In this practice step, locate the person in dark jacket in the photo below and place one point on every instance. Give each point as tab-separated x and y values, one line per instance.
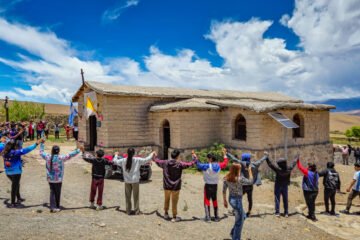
331	183
246	163
282	182
357	155
310	186
98	175
172	171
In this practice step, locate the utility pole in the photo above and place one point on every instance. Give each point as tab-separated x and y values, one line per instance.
82	76
6	106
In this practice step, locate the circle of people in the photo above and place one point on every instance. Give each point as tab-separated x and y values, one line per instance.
28	131
243	175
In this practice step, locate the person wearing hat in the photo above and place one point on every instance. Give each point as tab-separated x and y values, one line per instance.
310	186
55	172
98	174
246	164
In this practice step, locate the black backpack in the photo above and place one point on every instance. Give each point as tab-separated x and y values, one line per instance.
333	179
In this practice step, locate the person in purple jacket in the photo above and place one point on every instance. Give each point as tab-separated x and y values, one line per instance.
310	185
172	171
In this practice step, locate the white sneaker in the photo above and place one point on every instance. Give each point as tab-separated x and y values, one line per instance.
277	214
166	216
56	210
99	208
92	206
177	219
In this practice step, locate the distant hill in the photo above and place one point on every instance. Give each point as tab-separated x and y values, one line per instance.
55	109
343	121
344	105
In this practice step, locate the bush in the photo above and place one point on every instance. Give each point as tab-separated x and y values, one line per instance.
353	132
215	149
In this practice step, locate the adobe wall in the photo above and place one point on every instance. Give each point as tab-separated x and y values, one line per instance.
316	129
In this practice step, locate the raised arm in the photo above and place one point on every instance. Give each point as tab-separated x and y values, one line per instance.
118	160
304	170
233	158
2	146
43	154
26	150
294	162
258	163
224	163
147	159
272	166
69	155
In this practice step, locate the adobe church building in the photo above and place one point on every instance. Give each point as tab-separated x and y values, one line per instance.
167	118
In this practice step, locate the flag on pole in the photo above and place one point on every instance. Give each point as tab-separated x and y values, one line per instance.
90	110
73	113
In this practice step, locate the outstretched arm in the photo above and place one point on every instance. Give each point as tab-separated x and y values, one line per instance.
233	158
28	149
304	170
160	163
88	157
69	155
147	159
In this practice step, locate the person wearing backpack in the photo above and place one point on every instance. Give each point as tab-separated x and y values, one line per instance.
331	183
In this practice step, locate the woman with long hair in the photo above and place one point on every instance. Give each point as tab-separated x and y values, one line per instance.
131	171
234	182
13	167
55	173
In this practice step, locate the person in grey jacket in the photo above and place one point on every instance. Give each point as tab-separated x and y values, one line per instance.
131	171
246	163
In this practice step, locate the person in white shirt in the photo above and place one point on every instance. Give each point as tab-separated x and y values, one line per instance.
131	171
354	188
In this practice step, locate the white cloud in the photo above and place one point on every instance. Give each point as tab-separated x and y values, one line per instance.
112	14
325	68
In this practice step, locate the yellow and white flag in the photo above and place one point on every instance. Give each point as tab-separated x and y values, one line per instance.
90	110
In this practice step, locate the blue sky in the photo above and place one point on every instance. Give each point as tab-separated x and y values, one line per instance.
300	48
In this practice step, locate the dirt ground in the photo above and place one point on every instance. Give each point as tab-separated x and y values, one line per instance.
77	221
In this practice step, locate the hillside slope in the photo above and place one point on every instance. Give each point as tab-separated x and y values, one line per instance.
343	121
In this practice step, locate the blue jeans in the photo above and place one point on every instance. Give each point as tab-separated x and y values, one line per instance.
281	190
236	204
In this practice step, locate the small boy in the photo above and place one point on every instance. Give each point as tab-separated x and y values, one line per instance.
98	175
354	188
211	172
331	183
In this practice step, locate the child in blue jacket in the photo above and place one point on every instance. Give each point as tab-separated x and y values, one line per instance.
211	172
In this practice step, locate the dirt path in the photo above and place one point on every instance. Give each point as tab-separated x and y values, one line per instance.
76	221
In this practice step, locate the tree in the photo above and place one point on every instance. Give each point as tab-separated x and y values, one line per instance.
25	111
353	132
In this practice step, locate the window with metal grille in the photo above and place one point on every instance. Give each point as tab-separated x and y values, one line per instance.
240	128
299	132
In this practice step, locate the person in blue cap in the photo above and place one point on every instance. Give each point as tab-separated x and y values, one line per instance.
246	163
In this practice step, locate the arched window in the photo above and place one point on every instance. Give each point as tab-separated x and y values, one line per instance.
240	128
299	132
